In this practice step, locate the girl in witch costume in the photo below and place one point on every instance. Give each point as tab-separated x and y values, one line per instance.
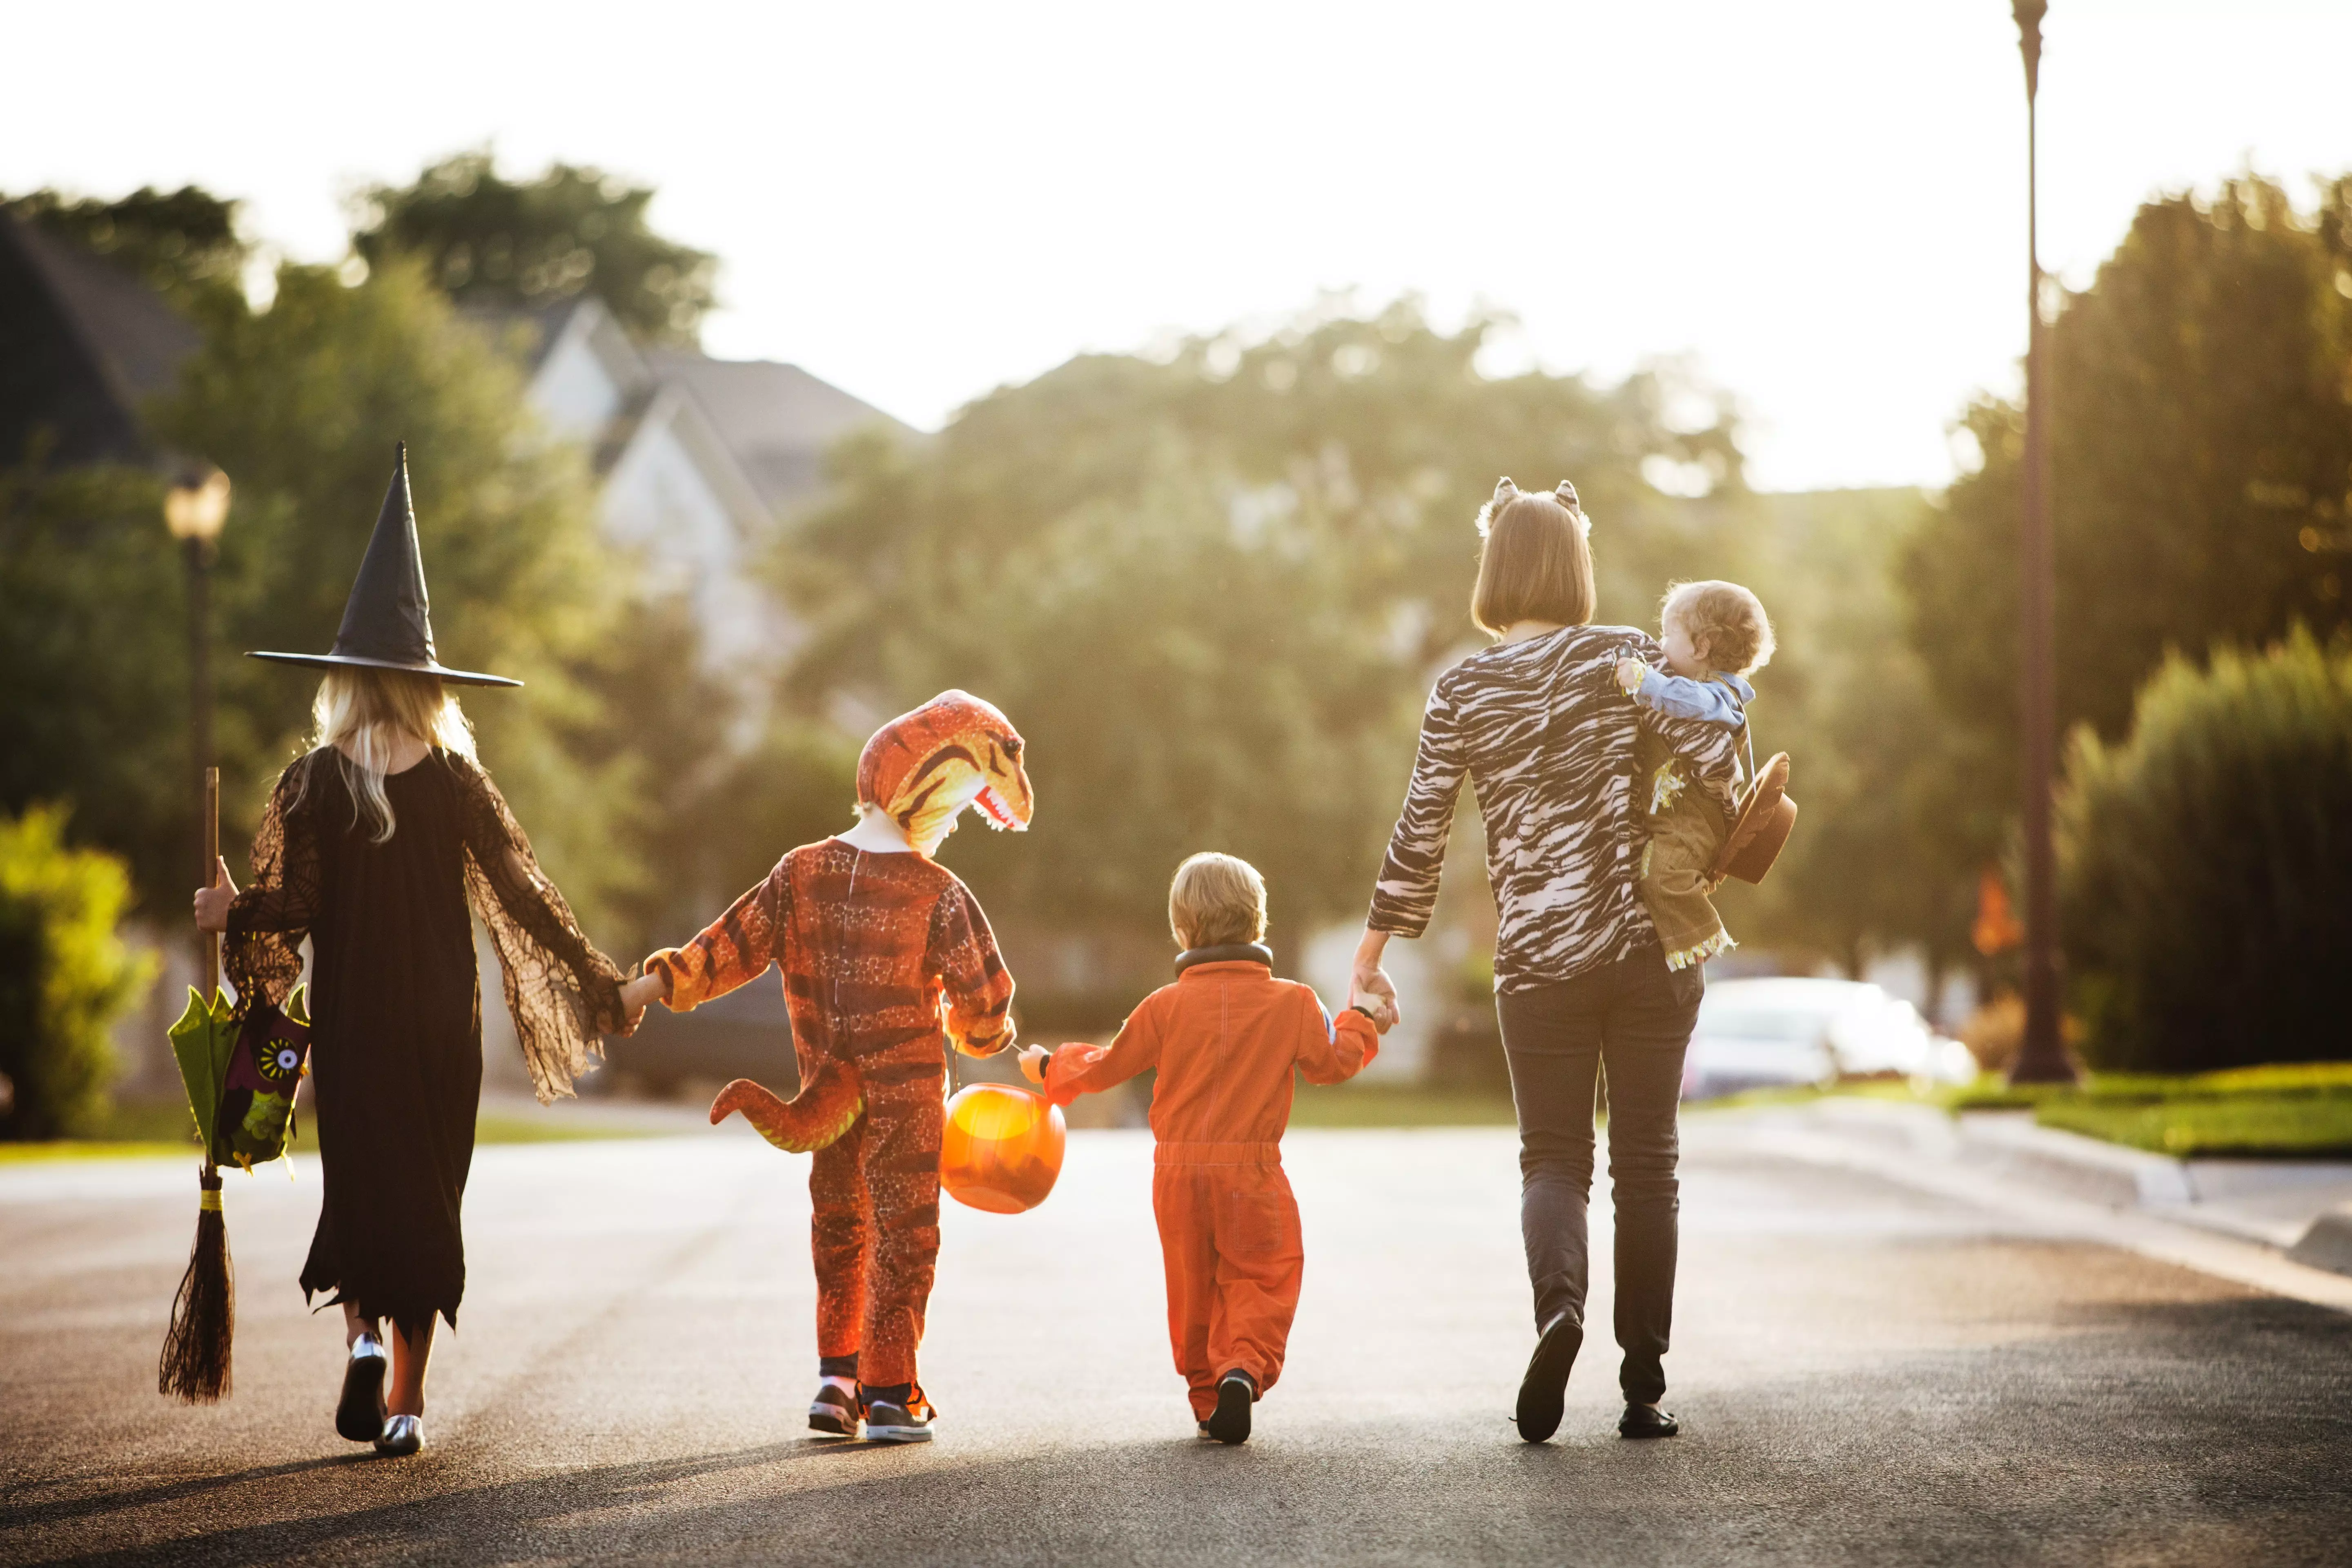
375	846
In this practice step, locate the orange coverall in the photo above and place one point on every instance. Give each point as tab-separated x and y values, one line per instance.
1224	1036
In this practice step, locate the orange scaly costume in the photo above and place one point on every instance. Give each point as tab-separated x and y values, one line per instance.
882	954
1225	1038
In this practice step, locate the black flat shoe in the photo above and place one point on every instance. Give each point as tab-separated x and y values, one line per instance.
1544	1391
1647	1421
1230	1422
359	1415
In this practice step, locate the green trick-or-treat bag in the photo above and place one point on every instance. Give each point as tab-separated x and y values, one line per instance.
257	1107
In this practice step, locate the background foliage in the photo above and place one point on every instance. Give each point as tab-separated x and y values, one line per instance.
486	240
1212	584
2207	865
64	976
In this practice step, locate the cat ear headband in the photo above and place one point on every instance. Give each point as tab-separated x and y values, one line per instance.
1505	492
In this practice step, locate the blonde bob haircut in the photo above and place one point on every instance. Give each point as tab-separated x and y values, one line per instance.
1535	562
1217	899
361	715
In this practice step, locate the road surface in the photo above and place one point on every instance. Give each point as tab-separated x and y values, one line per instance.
1865	1375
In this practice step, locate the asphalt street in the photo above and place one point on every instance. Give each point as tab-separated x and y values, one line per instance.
1865	1375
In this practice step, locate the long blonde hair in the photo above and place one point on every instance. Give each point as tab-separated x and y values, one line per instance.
360	715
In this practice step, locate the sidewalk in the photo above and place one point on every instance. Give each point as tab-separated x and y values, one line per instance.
2283	1226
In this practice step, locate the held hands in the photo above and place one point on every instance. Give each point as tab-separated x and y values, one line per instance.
639	994
213	902
1629	675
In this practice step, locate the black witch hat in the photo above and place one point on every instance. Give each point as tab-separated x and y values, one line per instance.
387	624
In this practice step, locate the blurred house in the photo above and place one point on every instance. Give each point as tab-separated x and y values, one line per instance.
700	459
83	345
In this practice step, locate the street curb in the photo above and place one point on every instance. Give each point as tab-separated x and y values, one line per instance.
2328	1242
2028	1174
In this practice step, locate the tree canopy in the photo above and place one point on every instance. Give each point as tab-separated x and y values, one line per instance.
184	243
1210	590
487	240
2201	456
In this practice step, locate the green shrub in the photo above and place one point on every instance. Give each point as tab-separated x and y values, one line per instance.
63	974
2207	869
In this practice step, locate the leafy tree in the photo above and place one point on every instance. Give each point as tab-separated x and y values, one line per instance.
2207	865
1210	590
183	243
2201	430
574	230
93	668
300	405
1880	857
64	976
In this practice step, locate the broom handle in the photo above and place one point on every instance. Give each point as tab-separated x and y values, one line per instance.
211	958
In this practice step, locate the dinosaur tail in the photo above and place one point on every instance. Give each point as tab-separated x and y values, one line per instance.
822	1110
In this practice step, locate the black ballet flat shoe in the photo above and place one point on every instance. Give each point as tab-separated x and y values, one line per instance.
1230	1422
1543	1391
359	1415
1647	1421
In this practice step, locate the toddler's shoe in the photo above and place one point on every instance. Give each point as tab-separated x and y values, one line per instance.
1230	1422
890	1422
834	1411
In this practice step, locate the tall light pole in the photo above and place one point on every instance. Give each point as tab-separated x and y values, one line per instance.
195	508
2041	1056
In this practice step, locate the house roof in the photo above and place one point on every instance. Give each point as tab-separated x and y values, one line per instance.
777	419
83	346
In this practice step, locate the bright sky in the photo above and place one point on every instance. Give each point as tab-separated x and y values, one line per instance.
1821	204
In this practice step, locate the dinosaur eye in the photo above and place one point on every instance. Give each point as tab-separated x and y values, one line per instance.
1012	747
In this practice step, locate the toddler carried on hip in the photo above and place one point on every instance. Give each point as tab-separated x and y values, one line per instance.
1714	635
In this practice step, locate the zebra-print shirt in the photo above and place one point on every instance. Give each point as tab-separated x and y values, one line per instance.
1544	733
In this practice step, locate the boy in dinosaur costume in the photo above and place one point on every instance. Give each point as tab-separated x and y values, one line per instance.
883	951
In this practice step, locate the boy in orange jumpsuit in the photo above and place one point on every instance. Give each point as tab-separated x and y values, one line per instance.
1225	1038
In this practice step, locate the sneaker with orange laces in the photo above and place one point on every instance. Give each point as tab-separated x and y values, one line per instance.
899	1415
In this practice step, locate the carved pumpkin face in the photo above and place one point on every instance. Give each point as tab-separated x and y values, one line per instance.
924	767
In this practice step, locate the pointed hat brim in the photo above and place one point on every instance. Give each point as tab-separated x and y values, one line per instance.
388	623
430	667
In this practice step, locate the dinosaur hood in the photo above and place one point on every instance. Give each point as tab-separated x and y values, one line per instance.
924	767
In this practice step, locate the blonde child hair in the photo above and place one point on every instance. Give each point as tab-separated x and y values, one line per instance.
1727	619
1217	899
360	713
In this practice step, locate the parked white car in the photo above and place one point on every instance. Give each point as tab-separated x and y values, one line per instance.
1781	1031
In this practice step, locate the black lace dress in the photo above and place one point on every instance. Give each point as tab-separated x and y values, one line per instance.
397	1047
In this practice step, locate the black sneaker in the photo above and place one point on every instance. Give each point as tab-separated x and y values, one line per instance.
1647	1421
834	1411
908	1423
359	1415
1543	1391
1230	1422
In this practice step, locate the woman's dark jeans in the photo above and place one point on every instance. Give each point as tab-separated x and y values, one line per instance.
1632	1018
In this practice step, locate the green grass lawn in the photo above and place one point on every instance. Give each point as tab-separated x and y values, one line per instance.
2244	1125
2295	1111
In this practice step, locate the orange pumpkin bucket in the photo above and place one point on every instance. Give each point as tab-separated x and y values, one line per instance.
1003	1148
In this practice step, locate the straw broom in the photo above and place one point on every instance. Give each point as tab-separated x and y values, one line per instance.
194	1366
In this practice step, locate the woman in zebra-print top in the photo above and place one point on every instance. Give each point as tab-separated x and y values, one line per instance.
1541	730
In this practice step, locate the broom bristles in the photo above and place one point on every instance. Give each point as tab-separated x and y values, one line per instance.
194	1367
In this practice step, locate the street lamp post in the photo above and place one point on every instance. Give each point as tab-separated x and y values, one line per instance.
195	508
2041	1056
